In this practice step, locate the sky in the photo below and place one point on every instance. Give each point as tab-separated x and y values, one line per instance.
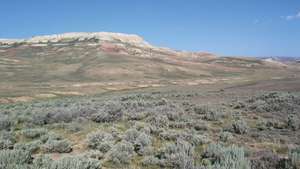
224	27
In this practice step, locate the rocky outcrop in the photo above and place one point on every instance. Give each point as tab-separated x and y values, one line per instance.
118	43
82	36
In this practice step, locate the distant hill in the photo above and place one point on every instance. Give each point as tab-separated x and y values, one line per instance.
81	63
282	58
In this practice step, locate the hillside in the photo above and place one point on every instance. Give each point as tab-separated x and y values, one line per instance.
89	63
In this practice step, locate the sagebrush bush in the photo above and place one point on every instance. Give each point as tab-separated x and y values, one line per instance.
136	115
238	105
131	135
225	136
112	112
158	121
33	133
201	110
213	151
273	102
177	155
142	144
61	116
240	127
13	158
262	124
121	153
73	127
213	115
188	135
142	127
57	146
233	158
210	114
180	124
101	141
5	123
151	160
19	159
42	162
293	122
139	139
94	154
30	146
201	126
6	144
169	135
269	160
58	113
76	163
39	119
294	156
226	157
193	138
50	136
7	140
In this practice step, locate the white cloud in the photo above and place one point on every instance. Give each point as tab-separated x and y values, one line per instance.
292	17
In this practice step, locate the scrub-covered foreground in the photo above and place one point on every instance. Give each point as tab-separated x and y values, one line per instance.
153	130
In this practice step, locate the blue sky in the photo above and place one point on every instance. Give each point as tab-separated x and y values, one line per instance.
225	27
